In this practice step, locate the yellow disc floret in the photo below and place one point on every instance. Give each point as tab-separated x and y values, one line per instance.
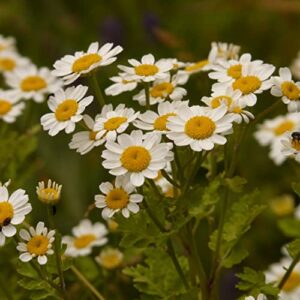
161	122
135	158
235	71
7	64
5	107
290	90
84	240
66	110
200	127
217	101
162	90
197	66
114	123
33	83
38	245
6	213
117	198
85	62
247	84
283	127
146	70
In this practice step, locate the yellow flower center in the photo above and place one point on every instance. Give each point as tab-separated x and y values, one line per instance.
283	206
235	71
290	90
92	135
197	66
199	127
146	70
135	158
38	245
117	198
6	213
84	240
66	110
110	260
83	63
296	144
5	107
48	193
237	110
247	84
161	122
292	282
283	127
162	90
33	83
7	64
216	102
114	123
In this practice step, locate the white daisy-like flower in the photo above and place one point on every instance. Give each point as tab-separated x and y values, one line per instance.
67	107
10	61
291	146
120	196
71	67
200	127
85	236
32	83
157	122
137	156
10	106
50	193
147	70
291	289
37	243
110	258
177	65
225	51
163	89
254	80
13	210
85	141
120	85
112	122
7	43
286	88
259	297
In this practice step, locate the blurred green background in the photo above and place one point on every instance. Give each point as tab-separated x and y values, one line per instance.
45	30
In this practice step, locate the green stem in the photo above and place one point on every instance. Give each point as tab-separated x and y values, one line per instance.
289	271
166	175
57	248
86	282
147	95
178	163
95	85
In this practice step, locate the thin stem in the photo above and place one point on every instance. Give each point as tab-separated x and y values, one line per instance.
57	248
155	188
289	271
178	163
147	95
95	85
86	282
166	175
153	217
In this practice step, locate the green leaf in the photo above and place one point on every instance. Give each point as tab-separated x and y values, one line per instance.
237	255
235	184
296	187
294	248
290	227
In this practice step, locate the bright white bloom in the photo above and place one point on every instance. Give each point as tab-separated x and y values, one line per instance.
7	43
147	70
259	297
85	236
10	60
286	88
32	83
50	193
112	122
121	196
13	210
291	289
200	127
37	243
71	67
136	155
120	85
291	146
67	107
157	122
110	258
163	89
254	80
229	71
85	141
176	64
10	107
225	51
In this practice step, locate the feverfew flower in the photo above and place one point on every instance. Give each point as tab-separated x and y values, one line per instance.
137	156
291	146
200	127
291	289
13	210
37	243
50	193
32	83
71	67
110	258
286	88
157	122
121	196
10	61
7	43
67	107
85	236
120	85
225	51
147	70
163	89
10	107
112	122
85	141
